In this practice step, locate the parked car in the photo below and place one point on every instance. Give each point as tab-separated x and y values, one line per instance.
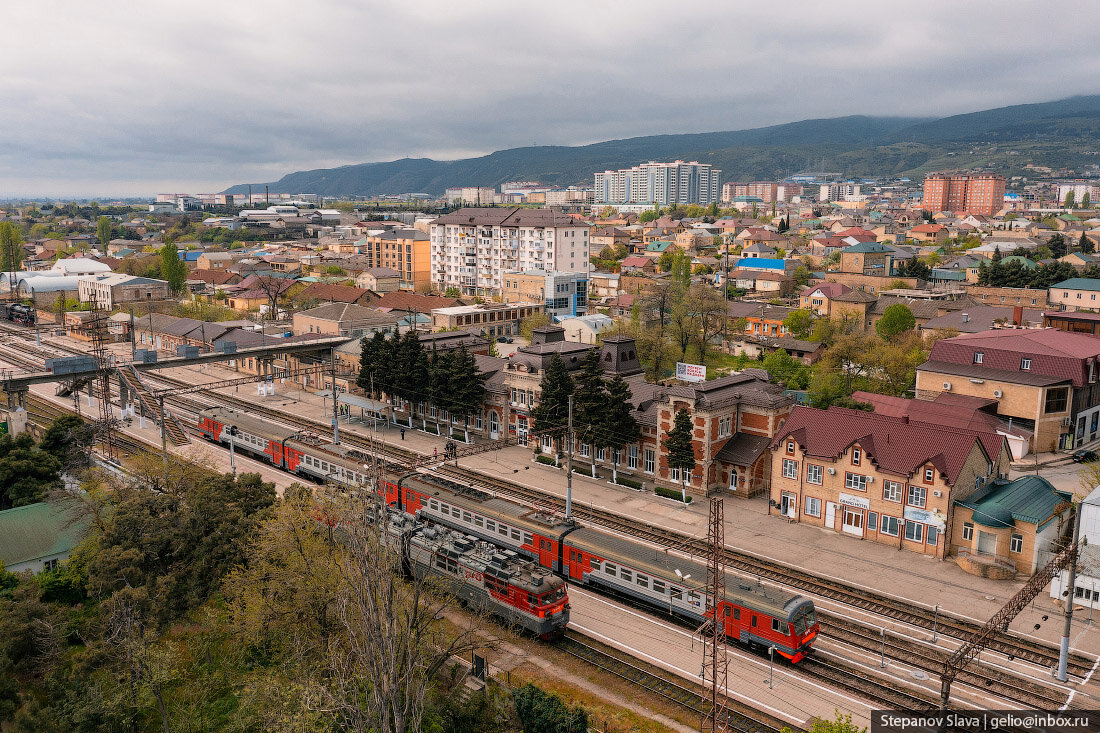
1085	456
504	340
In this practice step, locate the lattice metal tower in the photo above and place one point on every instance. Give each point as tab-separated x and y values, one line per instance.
100	333
715	660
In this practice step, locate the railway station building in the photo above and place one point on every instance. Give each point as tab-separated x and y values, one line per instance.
888	479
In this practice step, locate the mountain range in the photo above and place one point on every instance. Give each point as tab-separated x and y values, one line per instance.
1006	139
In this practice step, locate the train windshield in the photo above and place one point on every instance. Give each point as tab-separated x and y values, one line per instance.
552	596
804	620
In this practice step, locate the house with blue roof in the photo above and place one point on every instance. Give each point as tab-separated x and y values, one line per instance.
1005	528
762	263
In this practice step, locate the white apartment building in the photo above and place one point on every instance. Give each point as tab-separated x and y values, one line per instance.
478	195
1079	191
659	183
840	192
471	249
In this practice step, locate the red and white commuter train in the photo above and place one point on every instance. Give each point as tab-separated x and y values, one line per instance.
606	561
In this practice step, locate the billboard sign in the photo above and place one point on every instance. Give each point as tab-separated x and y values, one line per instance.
691	372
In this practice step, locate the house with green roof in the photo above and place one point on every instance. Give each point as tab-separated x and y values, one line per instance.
1077	293
659	246
1009	527
38	536
1024	261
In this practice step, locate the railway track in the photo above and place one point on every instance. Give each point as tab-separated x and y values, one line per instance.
930	660
1011	646
663	684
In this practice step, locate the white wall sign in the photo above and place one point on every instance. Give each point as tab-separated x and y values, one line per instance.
691	372
857	501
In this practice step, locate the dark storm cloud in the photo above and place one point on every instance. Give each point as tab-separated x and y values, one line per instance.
132	97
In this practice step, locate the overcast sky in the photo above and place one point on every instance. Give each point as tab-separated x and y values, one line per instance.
135	97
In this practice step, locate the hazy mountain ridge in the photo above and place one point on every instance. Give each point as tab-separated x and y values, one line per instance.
856	145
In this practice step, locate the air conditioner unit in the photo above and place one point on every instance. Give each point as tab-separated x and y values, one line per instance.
1067	421
947	385
870	479
832	471
937	494
998	393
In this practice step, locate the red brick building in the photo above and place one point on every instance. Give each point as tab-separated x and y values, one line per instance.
980	193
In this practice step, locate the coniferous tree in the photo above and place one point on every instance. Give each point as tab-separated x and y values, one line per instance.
589	402
1086	245
439	383
1057	246
406	375
370	362
620	428
551	416
467	386
11	250
681	453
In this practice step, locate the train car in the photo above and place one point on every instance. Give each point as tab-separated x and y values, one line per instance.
490	581
530	532
752	614
248	434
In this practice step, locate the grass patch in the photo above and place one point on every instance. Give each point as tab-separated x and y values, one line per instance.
546	461
622	481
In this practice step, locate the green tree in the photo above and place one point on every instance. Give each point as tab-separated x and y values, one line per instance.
551	415
785	369
467	386
647	216
11	249
799	323
840	724
1057	245
172	268
452	292
1085	244
589	402
528	325
619	427
27	473
69	439
1070	200
543	712
103	231
681	452
1086	202
896	319
374	360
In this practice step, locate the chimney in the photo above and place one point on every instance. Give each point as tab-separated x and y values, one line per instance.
1017	315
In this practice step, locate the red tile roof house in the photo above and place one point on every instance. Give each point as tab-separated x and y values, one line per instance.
881	478
1044	379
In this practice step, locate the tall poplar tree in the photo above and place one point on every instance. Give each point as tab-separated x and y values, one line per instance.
589	402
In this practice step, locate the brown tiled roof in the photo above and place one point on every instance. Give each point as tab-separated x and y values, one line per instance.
334	293
742	449
829	290
1053	353
516	217
981	371
214	277
855	296
893	445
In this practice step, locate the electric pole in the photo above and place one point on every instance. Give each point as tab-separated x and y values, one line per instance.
569	465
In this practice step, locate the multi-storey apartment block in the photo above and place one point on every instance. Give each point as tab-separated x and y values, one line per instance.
982	193
767	191
404	250
471	249
659	183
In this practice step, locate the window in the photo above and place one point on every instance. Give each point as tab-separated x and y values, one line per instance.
855	481
813	506
528	539
929	475
632	457
1025	364
642	580
610	568
50	565
648	464
775	624
478	521
917	496
725	427
586	450
1056	399
978	356
753	621
813	474
872	521
933	535
891	491
516	535
790	446
968	531
1016	544
627	575
658	586
674	474
914	531
790	468
889	525
856	454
